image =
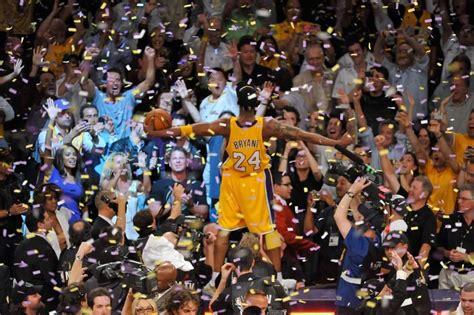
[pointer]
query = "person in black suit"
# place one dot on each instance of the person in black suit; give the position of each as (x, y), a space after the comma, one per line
(107, 203)
(35, 261)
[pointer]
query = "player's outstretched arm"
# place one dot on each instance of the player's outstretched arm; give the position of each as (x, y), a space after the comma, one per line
(218, 127)
(274, 128)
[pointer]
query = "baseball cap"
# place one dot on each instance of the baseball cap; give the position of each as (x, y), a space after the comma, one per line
(247, 95)
(373, 218)
(21, 291)
(394, 238)
(62, 104)
(399, 204)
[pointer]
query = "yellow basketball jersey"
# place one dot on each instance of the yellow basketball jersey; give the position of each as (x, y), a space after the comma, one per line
(246, 149)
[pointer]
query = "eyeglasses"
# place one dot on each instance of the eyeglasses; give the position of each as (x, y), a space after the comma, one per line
(464, 199)
(144, 310)
(287, 185)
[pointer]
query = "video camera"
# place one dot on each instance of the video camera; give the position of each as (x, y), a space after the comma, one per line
(131, 273)
(190, 236)
(377, 194)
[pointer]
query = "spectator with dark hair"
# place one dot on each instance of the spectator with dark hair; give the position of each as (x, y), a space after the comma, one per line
(115, 104)
(182, 301)
(249, 70)
(41, 268)
(47, 197)
(72, 300)
(304, 172)
(410, 69)
(352, 78)
(391, 141)
(299, 251)
(99, 301)
(27, 299)
(466, 298)
(66, 172)
(80, 231)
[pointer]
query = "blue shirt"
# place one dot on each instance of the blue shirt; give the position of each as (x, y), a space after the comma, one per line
(357, 247)
(121, 111)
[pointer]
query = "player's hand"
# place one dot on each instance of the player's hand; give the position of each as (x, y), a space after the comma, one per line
(265, 94)
(346, 140)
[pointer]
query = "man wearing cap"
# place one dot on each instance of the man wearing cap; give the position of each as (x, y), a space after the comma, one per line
(456, 242)
(417, 300)
(64, 131)
(396, 212)
(362, 258)
(27, 299)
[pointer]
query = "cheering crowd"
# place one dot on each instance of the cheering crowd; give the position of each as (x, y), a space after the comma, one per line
(100, 213)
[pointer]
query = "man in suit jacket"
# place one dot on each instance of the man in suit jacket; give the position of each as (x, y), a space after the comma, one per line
(108, 205)
(166, 274)
(35, 261)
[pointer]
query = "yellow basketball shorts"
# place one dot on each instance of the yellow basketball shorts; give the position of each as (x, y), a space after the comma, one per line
(246, 202)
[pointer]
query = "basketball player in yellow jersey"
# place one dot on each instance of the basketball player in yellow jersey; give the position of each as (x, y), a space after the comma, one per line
(246, 187)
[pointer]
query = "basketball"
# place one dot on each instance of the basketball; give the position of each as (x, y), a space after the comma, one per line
(159, 118)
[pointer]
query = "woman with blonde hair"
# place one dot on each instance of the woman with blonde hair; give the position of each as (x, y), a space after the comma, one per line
(117, 176)
(139, 304)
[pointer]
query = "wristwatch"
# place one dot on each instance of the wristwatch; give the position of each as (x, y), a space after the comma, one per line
(350, 194)
(78, 257)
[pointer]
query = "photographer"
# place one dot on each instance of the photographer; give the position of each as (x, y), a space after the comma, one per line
(322, 223)
(362, 259)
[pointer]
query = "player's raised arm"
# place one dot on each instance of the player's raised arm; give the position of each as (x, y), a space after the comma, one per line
(217, 127)
(274, 128)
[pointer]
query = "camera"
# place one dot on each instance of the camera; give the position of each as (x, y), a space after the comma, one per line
(190, 236)
(131, 273)
(375, 193)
